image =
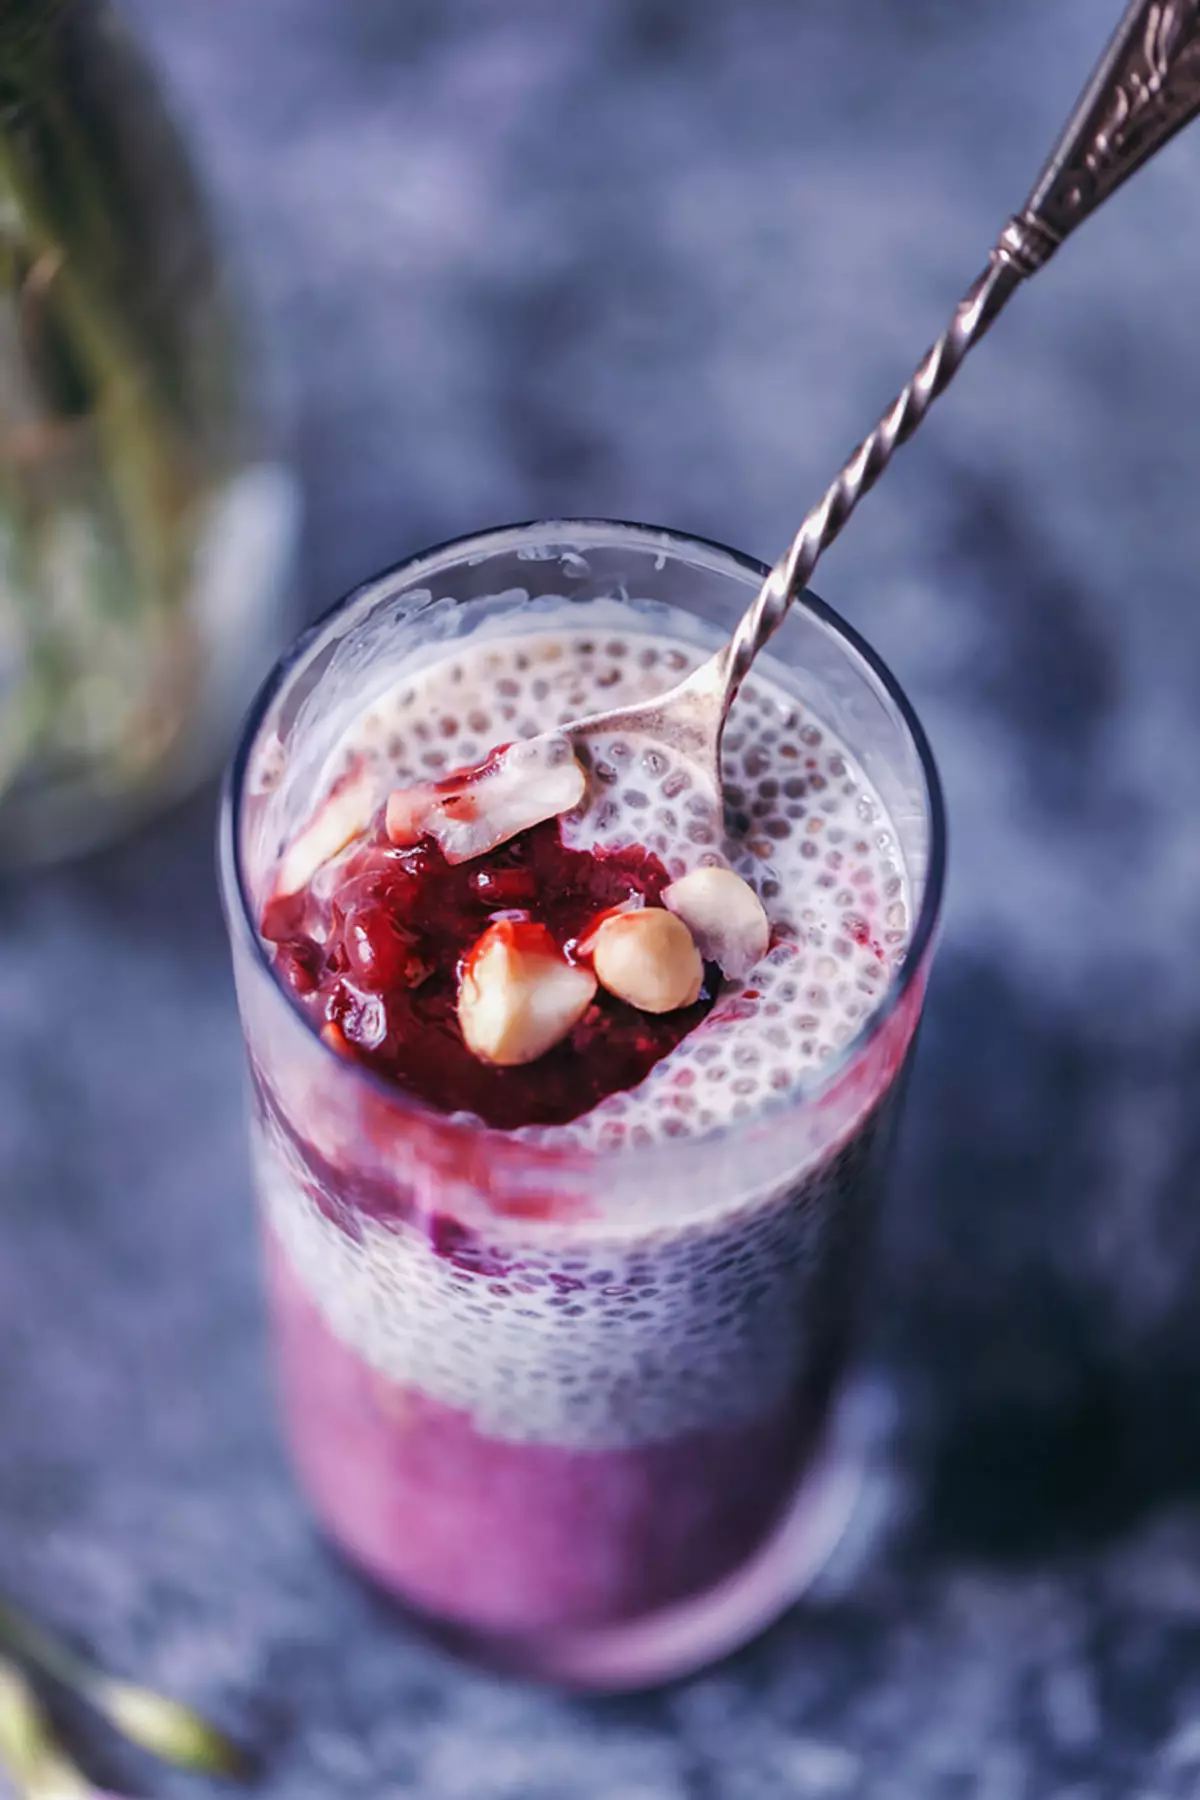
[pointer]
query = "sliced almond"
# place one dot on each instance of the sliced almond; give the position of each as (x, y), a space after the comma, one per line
(648, 959)
(520, 787)
(343, 815)
(724, 915)
(517, 787)
(519, 996)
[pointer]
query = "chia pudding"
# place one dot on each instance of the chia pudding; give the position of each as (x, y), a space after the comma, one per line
(559, 1338)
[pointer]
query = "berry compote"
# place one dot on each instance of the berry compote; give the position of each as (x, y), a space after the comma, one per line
(374, 957)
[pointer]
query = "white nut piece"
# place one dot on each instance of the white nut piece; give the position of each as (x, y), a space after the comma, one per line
(724, 915)
(522, 786)
(406, 819)
(649, 959)
(343, 815)
(519, 996)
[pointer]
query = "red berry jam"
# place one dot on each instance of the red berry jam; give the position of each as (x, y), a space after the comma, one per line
(376, 964)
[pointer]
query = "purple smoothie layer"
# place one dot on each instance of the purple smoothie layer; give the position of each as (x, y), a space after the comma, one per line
(512, 1538)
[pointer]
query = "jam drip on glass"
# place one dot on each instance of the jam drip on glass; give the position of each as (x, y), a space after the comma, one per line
(376, 964)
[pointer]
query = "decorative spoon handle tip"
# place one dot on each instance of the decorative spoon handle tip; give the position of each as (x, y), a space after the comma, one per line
(1145, 88)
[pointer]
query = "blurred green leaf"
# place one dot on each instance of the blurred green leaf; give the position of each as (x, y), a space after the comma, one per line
(164, 1727)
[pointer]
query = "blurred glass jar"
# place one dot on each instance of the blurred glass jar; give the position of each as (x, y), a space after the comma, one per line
(146, 536)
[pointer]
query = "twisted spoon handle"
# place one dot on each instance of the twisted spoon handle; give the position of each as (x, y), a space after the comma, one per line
(1144, 89)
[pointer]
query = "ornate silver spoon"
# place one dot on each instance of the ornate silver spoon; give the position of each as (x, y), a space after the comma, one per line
(1144, 89)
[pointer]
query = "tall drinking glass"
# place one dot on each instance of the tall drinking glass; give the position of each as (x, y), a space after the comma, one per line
(575, 1408)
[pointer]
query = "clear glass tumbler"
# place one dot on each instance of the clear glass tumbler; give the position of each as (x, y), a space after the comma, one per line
(576, 1410)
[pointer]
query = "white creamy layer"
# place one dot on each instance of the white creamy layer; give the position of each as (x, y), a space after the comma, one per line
(601, 1342)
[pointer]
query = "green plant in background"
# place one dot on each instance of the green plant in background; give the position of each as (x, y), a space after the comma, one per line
(30, 1755)
(123, 427)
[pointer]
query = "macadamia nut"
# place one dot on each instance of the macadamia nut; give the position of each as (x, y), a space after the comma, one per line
(724, 915)
(519, 996)
(648, 958)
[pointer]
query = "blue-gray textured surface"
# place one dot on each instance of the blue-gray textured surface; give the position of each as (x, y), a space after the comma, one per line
(663, 259)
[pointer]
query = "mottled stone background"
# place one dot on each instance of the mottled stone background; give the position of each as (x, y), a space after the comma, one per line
(665, 259)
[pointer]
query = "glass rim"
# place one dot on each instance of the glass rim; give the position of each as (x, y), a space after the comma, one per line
(242, 927)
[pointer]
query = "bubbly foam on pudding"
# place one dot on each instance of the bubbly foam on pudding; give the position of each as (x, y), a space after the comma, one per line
(635, 1327)
(803, 826)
